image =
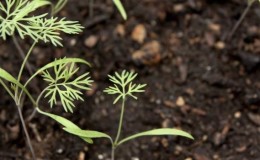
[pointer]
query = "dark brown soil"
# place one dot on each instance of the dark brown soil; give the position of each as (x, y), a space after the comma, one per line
(196, 80)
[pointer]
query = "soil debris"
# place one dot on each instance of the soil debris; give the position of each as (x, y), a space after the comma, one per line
(149, 54)
(180, 102)
(91, 41)
(255, 118)
(139, 33)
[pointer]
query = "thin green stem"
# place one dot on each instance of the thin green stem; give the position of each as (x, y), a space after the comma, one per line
(113, 152)
(40, 96)
(37, 104)
(22, 54)
(26, 132)
(21, 70)
(22, 120)
(120, 122)
(7, 89)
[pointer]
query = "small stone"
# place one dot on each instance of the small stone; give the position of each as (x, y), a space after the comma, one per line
(178, 150)
(204, 138)
(81, 156)
(214, 27)
(59, 151)
(149, 54)
(120, 30)
(166, 123)
(165, 143)
(180, 101)
(158, 101)
(91, 41)
(237, 115)
(73, 42)
(169, 103)
(216, 157)
(220, 45)
(178, 8)
(100, 156)
(139, 33)
(190, 91)
(217, 139)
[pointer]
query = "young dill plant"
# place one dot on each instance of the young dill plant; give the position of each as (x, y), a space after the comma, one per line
(123, 87)
(17, 17)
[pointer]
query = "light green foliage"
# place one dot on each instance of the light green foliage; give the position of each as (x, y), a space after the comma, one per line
(15, 17)
(48, 29)
(86, 133)
(63, 86)
(66, 123)
(121, 9)
(158, 132)
(123, 85)
(9, 78)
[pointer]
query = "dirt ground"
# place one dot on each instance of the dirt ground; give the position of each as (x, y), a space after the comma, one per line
(197, 80)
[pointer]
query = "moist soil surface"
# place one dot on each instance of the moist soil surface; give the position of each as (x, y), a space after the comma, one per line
(199, 79)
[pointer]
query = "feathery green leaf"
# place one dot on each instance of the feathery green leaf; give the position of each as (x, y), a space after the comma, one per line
(63, 85)
(123, 85)
(14, 16)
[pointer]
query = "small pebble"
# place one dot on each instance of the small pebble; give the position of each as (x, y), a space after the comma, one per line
(81, 156)
(120, 30)
(220, 45)
(73, 42)
(214, 27)
(91, 41)
(139, 33)
(100, 156)
(237, 115)
(59, 151)
(180, 101)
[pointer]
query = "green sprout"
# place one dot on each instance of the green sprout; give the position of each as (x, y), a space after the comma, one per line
(17, 17)
(123, 87)
(63, 87)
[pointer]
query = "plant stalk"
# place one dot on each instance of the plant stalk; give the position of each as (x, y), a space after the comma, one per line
(120, 122)
(22, 54)
(239, 21)
(7, 89)
(21, 70)
(26, 132)
(113, 152)
(18, 101)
